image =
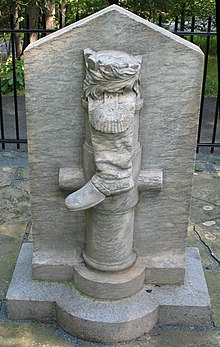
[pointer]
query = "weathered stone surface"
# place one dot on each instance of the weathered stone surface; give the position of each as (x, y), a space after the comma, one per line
(56, 132)
(30, 335)
(99, 320)
(73, 179)
(205, 205)
(213, 280)
(209, 232)
(205, 210)
(15, 205)
(14, 212)
(10, 243)
(46, 335)
(38, 335)
(181, 338)
(109, 285)
(193, 240)
(6, 174)
(205, 191)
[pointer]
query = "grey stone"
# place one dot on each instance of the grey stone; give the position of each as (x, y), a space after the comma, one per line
(54, 109)
(213, 280)
(109, 320)
(209, 233)
(6, 174)
(73, 179)
(116, 285)
(133, 231)
(29, 333)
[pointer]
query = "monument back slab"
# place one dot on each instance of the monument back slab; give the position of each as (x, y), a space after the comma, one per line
(170, 80)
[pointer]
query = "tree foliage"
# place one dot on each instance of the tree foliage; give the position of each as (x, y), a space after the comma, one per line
(72, 10)
(150, 9)
(199, 8)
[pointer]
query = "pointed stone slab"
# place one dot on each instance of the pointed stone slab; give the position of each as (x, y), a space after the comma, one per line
(171, 78)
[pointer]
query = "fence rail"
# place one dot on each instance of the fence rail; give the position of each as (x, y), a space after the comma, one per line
(210, 141)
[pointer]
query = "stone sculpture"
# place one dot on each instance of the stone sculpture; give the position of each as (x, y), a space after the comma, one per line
(112, 101)
(121, 237)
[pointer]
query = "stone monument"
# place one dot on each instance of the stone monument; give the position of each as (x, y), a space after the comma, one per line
(112, 129)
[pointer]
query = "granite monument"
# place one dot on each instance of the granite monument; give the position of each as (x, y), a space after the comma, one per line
(112, 129)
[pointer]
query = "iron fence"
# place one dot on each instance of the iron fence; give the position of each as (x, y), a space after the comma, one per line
(208, 118)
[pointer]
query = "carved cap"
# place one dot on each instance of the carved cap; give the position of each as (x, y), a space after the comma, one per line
(110, 71)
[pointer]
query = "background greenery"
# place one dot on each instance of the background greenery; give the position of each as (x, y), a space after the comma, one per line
(75, 9)
(56, 13)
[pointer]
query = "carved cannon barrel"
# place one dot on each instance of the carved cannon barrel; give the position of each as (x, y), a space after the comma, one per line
(111, 159)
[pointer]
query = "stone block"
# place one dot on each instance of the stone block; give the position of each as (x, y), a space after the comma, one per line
(109, 320)
(171, 77)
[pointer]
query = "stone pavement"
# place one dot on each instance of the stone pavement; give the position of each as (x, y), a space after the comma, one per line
(15, 225)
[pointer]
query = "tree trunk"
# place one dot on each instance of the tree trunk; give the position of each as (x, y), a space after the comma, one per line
(15, 24)
(32, 14)
(50, 14)
(63, 14)
(77, 11)
(182, 21)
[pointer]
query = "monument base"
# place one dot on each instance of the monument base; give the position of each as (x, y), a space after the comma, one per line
(109, 320)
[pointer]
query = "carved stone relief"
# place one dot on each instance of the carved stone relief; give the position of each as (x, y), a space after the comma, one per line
(133, 228)
(112, 101)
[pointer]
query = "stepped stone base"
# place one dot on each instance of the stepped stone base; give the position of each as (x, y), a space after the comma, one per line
(109, 320)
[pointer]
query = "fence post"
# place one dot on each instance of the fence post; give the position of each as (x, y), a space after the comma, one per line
(176, 23)
(160, 20)
(212, 144)
(14, 83)
(217, 110)
(204, 80)
(26, 35)
(192, 28)
(44, 24)
(218, 50)
(2, 119)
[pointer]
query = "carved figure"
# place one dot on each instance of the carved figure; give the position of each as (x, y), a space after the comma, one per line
(111, 89)
(111, 158)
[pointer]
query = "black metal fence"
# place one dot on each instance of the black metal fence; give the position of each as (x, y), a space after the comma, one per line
(14, 131)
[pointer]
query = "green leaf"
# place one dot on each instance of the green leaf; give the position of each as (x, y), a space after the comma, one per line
(198, 168)
(4, 87)
(20, 80)
(10, 94)
(10, 82)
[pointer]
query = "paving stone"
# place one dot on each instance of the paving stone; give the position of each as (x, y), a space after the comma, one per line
(11, 236)
(194, 240)
(6, 175)
(200, 212)
(209, 232)
(23, 173)
(181, 338)
(206, 187)
(213, 282)
(30, 335)
(15, 205)
(46, 335)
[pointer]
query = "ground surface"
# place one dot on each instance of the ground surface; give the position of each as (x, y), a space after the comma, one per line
(204, 233)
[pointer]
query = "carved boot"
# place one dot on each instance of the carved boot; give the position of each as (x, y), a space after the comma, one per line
(111, 134)
(86, 197)
(110, 95)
